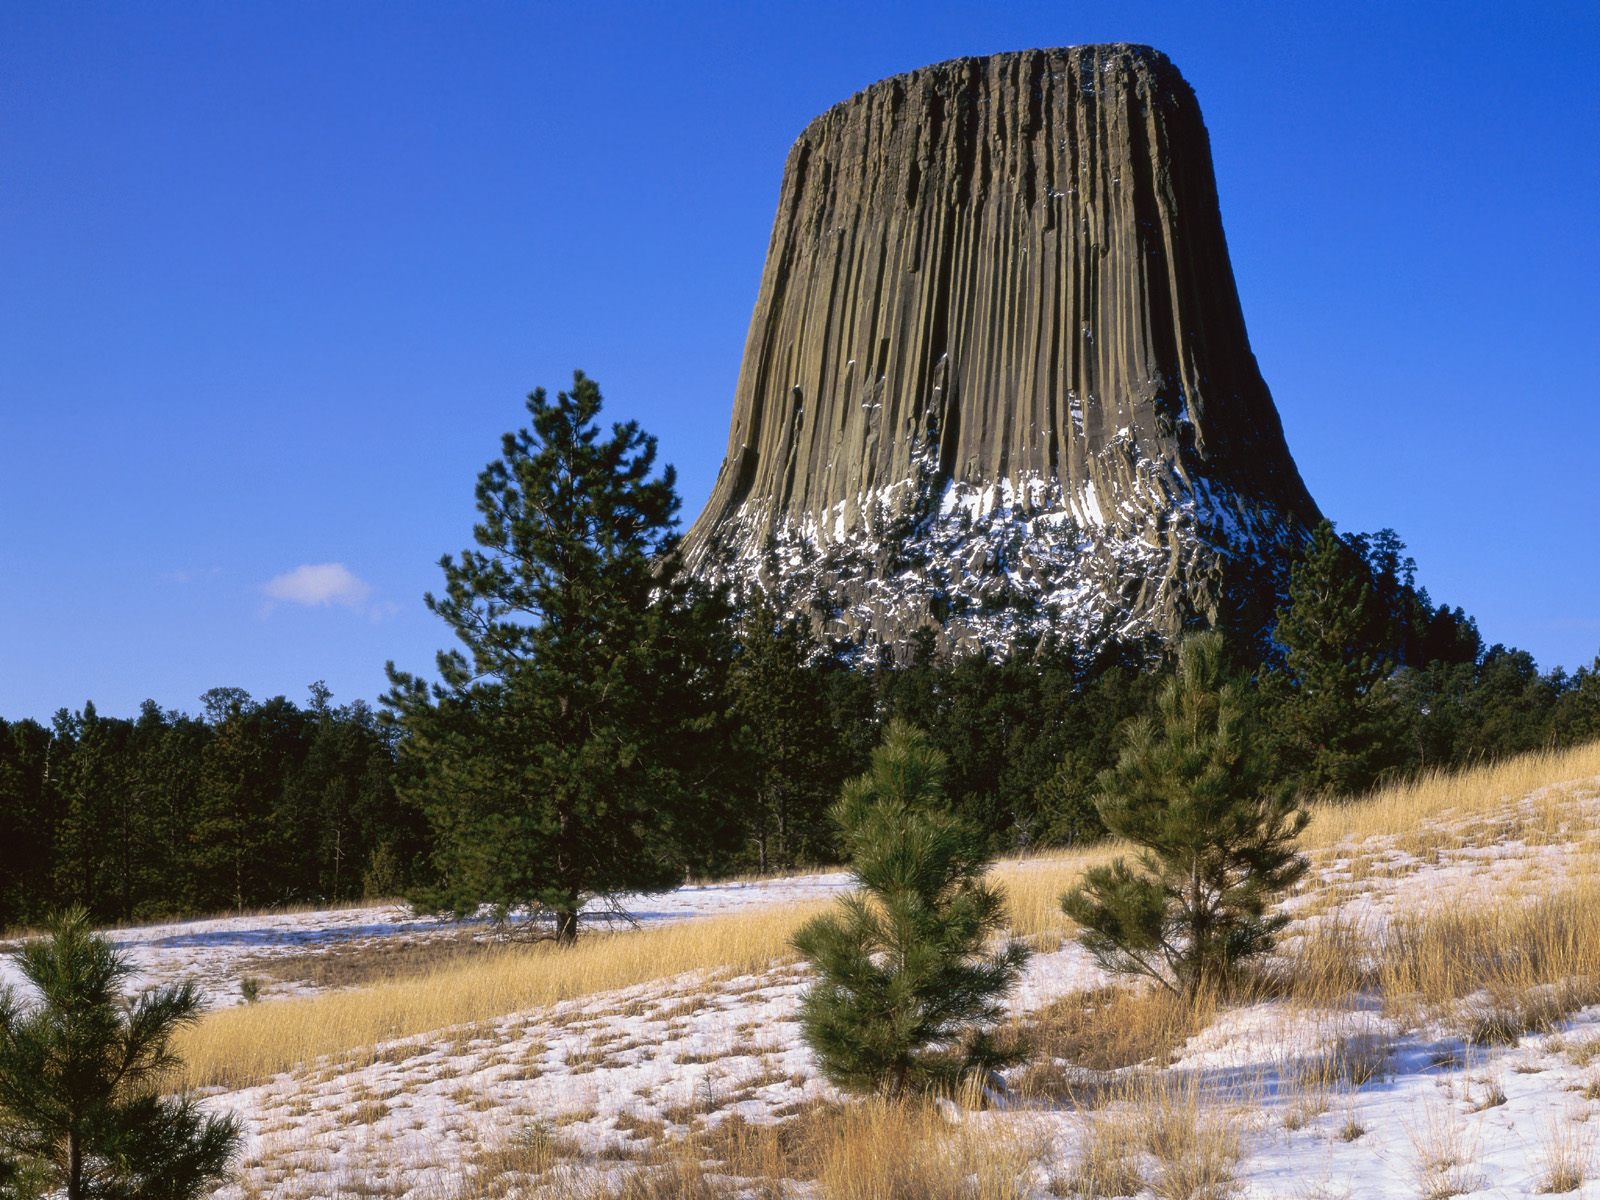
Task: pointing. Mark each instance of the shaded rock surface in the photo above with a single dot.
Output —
(997, 381)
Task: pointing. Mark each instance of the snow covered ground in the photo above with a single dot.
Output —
(610, 1078)
(217, 953)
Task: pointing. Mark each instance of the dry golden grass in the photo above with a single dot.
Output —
(1033, 886)
(1106, 1164)
(1528, 798)
(238, 1047)
(1446, 1151)
(1477, 806)
(1115, 1027)
(528, 1153)
(659, 1177)
(1493, 966)
(241, 1046)
(885, 1151)
(872, 1150)
(1322, 966)
(1499, 968)
(1194, 1139)
(1170, 1137)
(1351, 1061)
(1310, 1084)
(792, 1148)
(1565, 1156)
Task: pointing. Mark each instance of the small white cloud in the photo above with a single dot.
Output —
(318, 585)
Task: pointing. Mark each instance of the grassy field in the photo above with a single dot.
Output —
(238, 1046)
(1520, 798)
(1513, 800)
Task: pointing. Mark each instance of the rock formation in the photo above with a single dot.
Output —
(997, 382)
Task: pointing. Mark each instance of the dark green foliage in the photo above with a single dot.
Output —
(81, 1074)
(1334, 730)
(907, 995)
(29, 814)
(167, 814)
(1216, 839)
(1024, 738)
(1355, 626)
(793, 755)
(1499, 706)
(239, 796)
(1408, 629)
(1380, 680)
(1577, 716)
(1082, 735)
(570, 750)
(93, 783)
(261, 803)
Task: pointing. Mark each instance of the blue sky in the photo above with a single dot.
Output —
(275, 277)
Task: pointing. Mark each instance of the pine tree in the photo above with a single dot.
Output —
(1578, 713)
(907, 995)
(88, 775)
(235, 821)
(1191, 790)
(568, 750)
(28, 821)
(80, 1077)
(1332, 728)
(793, 760)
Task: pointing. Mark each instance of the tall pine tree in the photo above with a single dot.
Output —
(567, 751)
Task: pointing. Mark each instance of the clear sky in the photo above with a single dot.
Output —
(275, 277)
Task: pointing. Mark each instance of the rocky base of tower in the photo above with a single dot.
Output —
(1016, 563)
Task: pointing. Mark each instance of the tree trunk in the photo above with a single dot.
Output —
(566, 926)
(338, 856)
(783, 832)
(74, 1166)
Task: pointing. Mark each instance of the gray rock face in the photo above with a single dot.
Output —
(997, 381)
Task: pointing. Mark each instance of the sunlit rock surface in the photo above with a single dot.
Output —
(997, 382)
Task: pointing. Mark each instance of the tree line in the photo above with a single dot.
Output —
(251, 804)
(607, 723)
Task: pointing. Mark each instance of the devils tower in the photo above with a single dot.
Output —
(997, 382)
